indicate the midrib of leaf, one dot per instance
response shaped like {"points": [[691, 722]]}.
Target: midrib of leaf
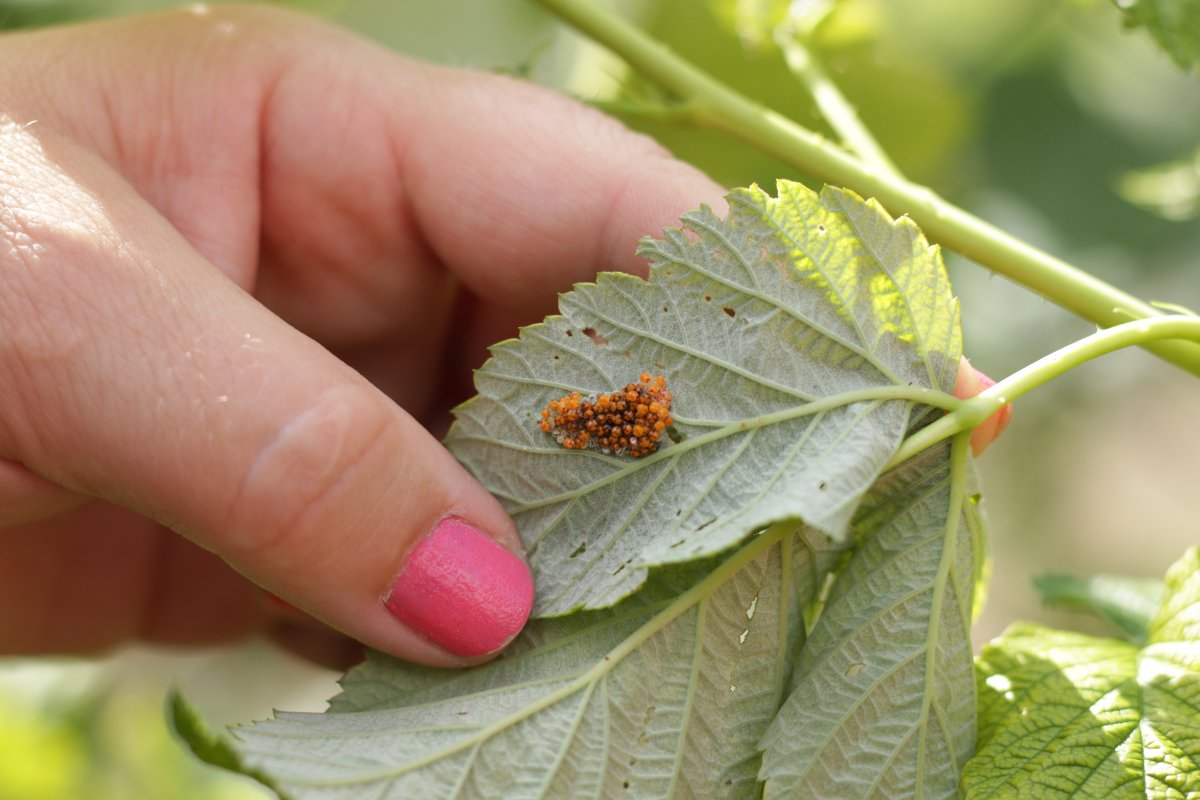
{"points": [[913, 394], [958, 482], [698, 594]]}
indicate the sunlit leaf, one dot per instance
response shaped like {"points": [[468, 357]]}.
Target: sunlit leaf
{"points": [[883, 704], [796, 335], [1064, 714], [664, 695]]}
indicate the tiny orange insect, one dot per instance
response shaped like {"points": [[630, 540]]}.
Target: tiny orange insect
{"points": [[627, 421]]}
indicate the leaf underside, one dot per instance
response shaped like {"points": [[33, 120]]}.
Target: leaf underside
{"points": [[795, 335], [665, 695], [1065, 714], [883, 704], [803, 337]]}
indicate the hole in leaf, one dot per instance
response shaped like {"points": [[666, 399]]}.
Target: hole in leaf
{"points": [[822, 486], [706, 523], [708, 298], [666, 310], [596, 338], [729, 312], [570, 332], [854, 669], [675, 435], [578, 551], [556, 357]]}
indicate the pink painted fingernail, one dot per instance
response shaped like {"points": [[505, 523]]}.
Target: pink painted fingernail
{"points": [[462, 590]]}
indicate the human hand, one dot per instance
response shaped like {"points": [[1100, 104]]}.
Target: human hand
{"points": [[246, 263]]}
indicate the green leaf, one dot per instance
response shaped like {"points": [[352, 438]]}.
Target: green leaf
{"points": [[884, 700], [1128, 603], [1170, 190], [664, 695], [796, 335], [208, 745], [1173, 24], [1068, 715]]}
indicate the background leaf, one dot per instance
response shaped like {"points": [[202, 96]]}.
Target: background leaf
{"points": [[795, 334], [884, 701], [665, 695], [1173, 24], [1064, 714], [1128, 603]]}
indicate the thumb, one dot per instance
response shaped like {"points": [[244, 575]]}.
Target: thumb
{"points": [[132, 370]]}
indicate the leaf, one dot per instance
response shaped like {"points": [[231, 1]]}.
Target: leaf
{"points": [[207, 745], [1171, 190], [796, 335], [884, 700], [1173, 24], [1064, 714], [1128, 603], [664, 695]]}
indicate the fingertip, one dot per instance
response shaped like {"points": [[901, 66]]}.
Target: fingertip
{"points": [[463, 591], [969, 383]]}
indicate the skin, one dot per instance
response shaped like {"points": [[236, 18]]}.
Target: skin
{"points": [[247, 261]]}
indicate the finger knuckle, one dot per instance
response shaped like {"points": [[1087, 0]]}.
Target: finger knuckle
{"points": [[305, 481]]}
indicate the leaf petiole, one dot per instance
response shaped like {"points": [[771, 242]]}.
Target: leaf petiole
{"points": [[970, 413]]}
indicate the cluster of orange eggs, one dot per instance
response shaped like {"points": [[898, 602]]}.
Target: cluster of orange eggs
{"points": [[625, 422]]}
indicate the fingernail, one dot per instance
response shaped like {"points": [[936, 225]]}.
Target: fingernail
{"points": [[462, 590]]}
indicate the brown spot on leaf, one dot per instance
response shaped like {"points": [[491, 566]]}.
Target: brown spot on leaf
{"points": [[596, 338]]}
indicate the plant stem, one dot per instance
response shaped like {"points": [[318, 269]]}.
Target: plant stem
{"points": [[972, 412], [833, 105], [718, 106]]}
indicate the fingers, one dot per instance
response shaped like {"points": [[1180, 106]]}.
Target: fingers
{"points": [[132, 370], [969, 383], [24, 497]]}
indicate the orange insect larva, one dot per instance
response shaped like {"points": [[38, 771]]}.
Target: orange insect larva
{"points": [[627, 421]]}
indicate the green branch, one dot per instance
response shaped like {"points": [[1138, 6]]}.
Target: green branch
{"points": [[832, 104], [970, 413], [717, 106]]}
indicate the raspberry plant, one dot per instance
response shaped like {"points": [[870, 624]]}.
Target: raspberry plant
{"points": [[776, 601]]}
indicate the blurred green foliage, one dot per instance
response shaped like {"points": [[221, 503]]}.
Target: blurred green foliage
{"points": [[66, 733], [1032, 113]]}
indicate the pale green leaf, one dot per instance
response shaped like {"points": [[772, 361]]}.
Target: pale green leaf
{"points": [[664, 695], [796, 335], [1173, 24], [1170, 190], [1064, 714], [1128, 603], [883, 704]]}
